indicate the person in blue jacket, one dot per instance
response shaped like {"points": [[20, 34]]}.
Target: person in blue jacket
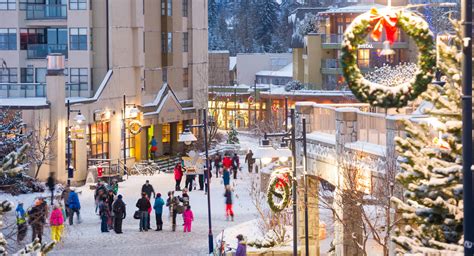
{"points": [[74, 206], [158, 206]]}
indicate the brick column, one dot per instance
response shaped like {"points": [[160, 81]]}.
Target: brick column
{"points": [[346, 132]]}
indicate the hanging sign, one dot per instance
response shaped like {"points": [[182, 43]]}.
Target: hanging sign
{"points": [[77, 133], [135, 127]]}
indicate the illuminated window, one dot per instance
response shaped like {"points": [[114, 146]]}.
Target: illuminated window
{"points": [[363, 58], [166, 133], [129, 143], [99, 140]]}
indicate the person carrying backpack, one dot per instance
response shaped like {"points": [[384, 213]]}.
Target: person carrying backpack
{"points": [[120, 212]]}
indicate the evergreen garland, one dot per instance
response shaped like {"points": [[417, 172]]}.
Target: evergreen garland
{"points": [[279, 186]]}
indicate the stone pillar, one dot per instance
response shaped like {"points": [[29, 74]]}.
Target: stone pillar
{"points": [[158, 133], [313, 216], [56, 94], [173, 137], [346, 132]]}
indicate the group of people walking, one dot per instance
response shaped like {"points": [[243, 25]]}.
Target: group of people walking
{"points": [[37, 215], [110, 207]]}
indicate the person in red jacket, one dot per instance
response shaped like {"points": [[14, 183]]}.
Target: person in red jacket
{"points": [[227, 162], [178, 176]]}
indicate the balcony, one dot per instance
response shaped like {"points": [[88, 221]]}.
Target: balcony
{"points": [[46, 11], [77, 90], [40, 51], [333, 41], [23, 90]]}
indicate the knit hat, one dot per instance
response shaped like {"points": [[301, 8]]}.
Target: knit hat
{"points": [[119, 196]]}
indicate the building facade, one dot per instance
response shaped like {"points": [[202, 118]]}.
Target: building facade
{"points": [[119, 54]]}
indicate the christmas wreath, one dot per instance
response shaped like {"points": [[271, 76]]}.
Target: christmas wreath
{"points": [[279, 187], [390, 20], [135, 127]]}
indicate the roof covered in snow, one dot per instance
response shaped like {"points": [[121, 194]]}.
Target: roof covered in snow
{"points": [[359, 8], [281, 91], [286, 71], [24, 102]]}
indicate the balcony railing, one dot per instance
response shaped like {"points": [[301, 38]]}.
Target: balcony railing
{"points": [[22, 90], [46, 11], [331, 38], [75, 90], [364, 65], [40, 51]]}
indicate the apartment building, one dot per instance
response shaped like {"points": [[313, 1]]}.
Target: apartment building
{"points": [[119, 54]]}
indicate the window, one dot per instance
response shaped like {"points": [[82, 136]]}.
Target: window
{"points": [[32, 36], [185, 8], [41, 75], [185, 42], [170, 42], [170, 7], [77, 4], [163, 42], [27, 75], [185, 77], [129, 144], [166, 133], [78, 39], [80, 76], [164, 75], [7, 39], [163, 7], [8, 75], [72, 153], [99, 140], [7, 4], [363, 58]]}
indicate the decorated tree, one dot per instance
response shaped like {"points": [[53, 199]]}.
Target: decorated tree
{"points": [[232, 136], [432, 167]]}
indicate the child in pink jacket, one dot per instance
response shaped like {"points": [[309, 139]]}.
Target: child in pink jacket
{"points": [[188, 217], [57, 223]]}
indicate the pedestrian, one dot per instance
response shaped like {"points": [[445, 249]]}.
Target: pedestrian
{"points": [[99, 191], [37, 219], [158, 207], [143, 204], [74, 206], [56, 221], [241, 246], [149, 214], [110, 201], [153, 148], [21, 222], [104, 213], [173, 204], [226, 177], [147, 188], [115, 186], [228, 204], [189, 182], [51, 183], [188, 218], [120, 212], [201, 181], [217, 164], [178, 175], [250, 160], [65, 197], [235, 165], [185, 197]]}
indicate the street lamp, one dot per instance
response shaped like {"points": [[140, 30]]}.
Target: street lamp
{"points": [[132, 113], [290, 135], [79, 119], [187, 137]]}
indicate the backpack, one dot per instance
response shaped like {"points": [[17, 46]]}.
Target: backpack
{"points": [[179, 209]]}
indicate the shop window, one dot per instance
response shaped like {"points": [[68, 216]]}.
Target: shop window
{"points": [[363, 58], [99, 140], [129, 143], [166, 133]]}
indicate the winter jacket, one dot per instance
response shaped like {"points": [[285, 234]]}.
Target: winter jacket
{"points": [[249, 158], [104, 209], [178, 173], [241, 249], [226, 177], [65, 196], [184, 199], [20, 215], [149, 208], [188, 216], [235, 162], [143, 204], [228, 197], [227, 162], [119, 209], [73, 201], [158, 205], [37, 214], [148, 189], [56, 218]]}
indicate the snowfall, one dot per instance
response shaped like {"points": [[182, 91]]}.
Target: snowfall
{"points": [[86, 239]]}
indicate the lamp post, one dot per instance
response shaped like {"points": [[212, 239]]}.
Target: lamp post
{"points": [[133, 113], [79, 118], [187, 137], [467, 156], [290, 135]]}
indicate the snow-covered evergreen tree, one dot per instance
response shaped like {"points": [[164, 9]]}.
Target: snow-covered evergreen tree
{"points": [[232, 136], [268, 23], [432, 168], [12, 134]]}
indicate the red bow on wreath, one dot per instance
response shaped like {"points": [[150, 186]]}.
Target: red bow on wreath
{"points": [[386, 20], [282, 179]]}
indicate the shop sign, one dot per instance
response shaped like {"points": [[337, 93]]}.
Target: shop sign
{"points": [[102, 115], [135, 127], [77, 133], [366, 46]]}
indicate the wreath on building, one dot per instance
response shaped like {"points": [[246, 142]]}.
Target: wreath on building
{"points": [[279, 192], [135, 127], [391, 20]]}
